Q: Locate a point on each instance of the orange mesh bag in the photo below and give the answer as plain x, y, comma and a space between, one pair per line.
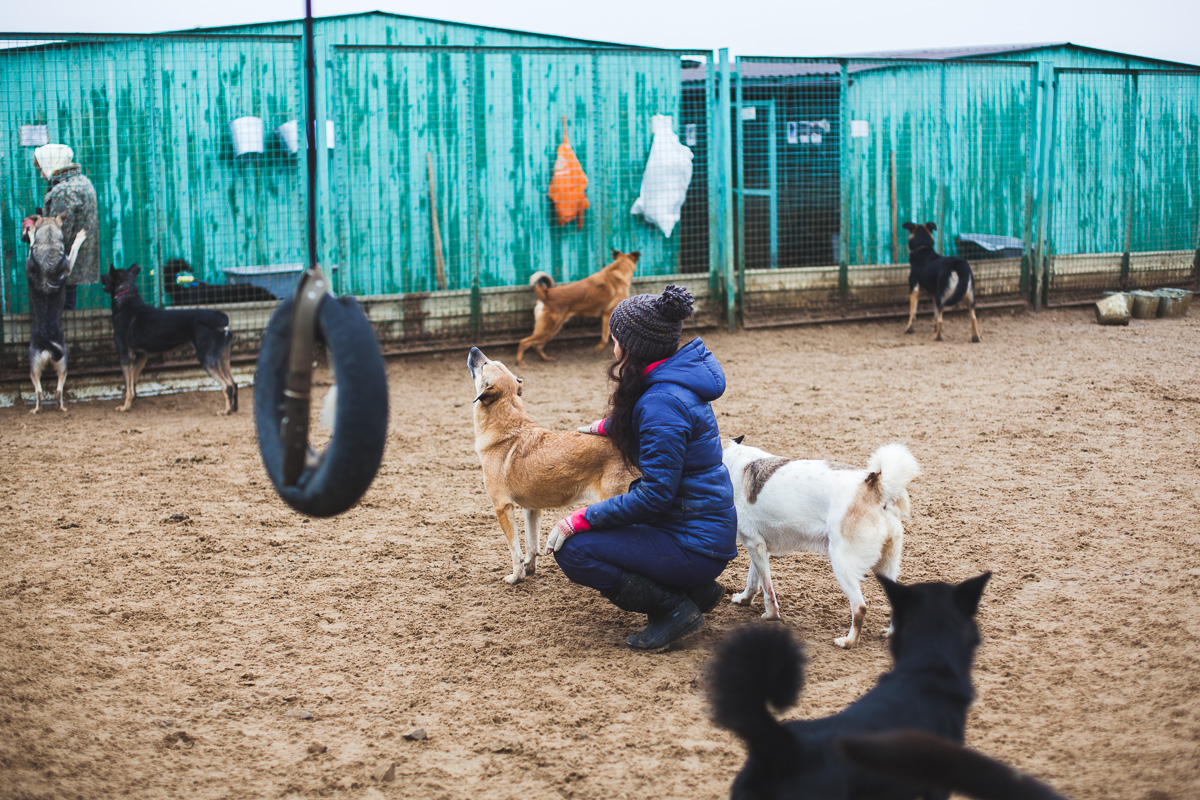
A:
568, 187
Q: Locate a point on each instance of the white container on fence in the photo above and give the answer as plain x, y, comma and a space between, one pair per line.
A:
247, 135
289, 134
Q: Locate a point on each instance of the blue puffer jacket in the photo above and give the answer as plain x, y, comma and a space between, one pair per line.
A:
684, 488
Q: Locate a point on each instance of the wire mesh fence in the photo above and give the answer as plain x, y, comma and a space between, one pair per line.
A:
463, 171
834, 156
174, 153
1123, 210
450, 175
437, 190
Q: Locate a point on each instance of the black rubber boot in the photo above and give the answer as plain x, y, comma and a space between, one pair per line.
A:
706, 595
672, 613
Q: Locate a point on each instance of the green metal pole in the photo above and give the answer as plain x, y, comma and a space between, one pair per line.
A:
1131, 146
723, 111
943, 167
1047, 232
844, 182
1027, 211
713, 165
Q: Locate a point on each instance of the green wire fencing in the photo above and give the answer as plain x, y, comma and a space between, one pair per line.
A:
833, 156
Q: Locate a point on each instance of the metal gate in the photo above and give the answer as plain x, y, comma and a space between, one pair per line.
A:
834, 155
1123, 210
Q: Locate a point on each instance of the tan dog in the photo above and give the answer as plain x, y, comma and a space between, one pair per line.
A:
531, 467
594, 296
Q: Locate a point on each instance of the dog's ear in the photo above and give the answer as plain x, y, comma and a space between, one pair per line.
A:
635, 255
931, 226
520, 386
134, 270
487, 394
897, 594
968, 593
616, 254
908, 226
738, 439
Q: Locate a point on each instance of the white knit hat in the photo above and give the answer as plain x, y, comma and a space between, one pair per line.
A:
50, 158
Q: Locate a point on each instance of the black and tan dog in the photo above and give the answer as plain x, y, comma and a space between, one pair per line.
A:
947, 279
140, 330
928, 689
529, 467
46, 271
594, 296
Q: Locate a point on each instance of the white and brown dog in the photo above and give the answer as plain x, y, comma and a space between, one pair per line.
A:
47, 269
852, 514
528, 466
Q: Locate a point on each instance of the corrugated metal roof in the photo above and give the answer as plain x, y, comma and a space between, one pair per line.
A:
951, 53
254, 25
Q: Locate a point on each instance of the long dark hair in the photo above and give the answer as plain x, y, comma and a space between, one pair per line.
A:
629, 373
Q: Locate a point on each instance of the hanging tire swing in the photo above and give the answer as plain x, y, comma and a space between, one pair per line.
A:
328, 483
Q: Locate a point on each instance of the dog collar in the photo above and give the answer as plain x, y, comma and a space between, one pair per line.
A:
122, 292
918, 248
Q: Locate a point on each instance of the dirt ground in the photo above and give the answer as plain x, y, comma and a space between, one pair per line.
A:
163, 616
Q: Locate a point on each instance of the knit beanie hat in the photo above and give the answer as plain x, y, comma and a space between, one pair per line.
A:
648, 326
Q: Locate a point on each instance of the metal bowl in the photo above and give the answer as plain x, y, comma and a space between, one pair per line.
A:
1145, 304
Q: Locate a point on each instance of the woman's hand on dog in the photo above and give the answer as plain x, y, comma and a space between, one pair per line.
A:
566, 528
597, 428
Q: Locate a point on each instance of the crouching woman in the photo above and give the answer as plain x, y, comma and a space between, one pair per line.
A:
658, 549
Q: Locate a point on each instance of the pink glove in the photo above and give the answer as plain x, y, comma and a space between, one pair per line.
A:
597, 428
565, 529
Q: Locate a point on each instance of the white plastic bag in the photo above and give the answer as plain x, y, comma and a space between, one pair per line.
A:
667, 176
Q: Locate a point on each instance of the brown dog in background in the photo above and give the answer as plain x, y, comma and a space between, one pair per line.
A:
594, 296
529, 466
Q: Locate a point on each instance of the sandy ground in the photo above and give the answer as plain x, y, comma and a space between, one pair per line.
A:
163, 616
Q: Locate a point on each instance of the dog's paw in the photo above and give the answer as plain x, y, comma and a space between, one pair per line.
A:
122, 408
514, 578
845, 642
742, 599
770, 616
908, 330
530, 567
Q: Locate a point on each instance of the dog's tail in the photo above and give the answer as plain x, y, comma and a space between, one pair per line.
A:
754, 667
962, 270
541, 283
927, 760
896, 467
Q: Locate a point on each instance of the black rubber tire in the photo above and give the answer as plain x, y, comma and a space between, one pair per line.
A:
352, 459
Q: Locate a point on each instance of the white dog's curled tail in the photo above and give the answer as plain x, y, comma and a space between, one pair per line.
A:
896, 467
541, 278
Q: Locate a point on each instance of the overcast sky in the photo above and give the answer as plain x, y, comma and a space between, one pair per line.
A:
1166, 29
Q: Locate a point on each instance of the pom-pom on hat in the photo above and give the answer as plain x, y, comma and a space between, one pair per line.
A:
648, 326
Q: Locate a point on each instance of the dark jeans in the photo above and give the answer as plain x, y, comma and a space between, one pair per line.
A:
597, 558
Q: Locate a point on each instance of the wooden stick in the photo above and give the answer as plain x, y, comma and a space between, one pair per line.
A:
439, 261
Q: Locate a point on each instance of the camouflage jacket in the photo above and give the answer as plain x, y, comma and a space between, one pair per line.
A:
71, 193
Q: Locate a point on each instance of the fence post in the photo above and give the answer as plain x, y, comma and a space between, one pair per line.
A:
1131, 143
1027, 280
324, 205
943, 164
1045, 240
844, 182
724, 109
473, 93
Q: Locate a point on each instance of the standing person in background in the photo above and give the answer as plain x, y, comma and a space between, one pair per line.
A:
657, 549
70, 193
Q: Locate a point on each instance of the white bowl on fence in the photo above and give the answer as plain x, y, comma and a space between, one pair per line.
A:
247, 135
289, 134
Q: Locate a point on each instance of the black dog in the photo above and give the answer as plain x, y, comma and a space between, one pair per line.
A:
929, 689
140, 330
925, 759
46, 272
947, 278
199, 293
